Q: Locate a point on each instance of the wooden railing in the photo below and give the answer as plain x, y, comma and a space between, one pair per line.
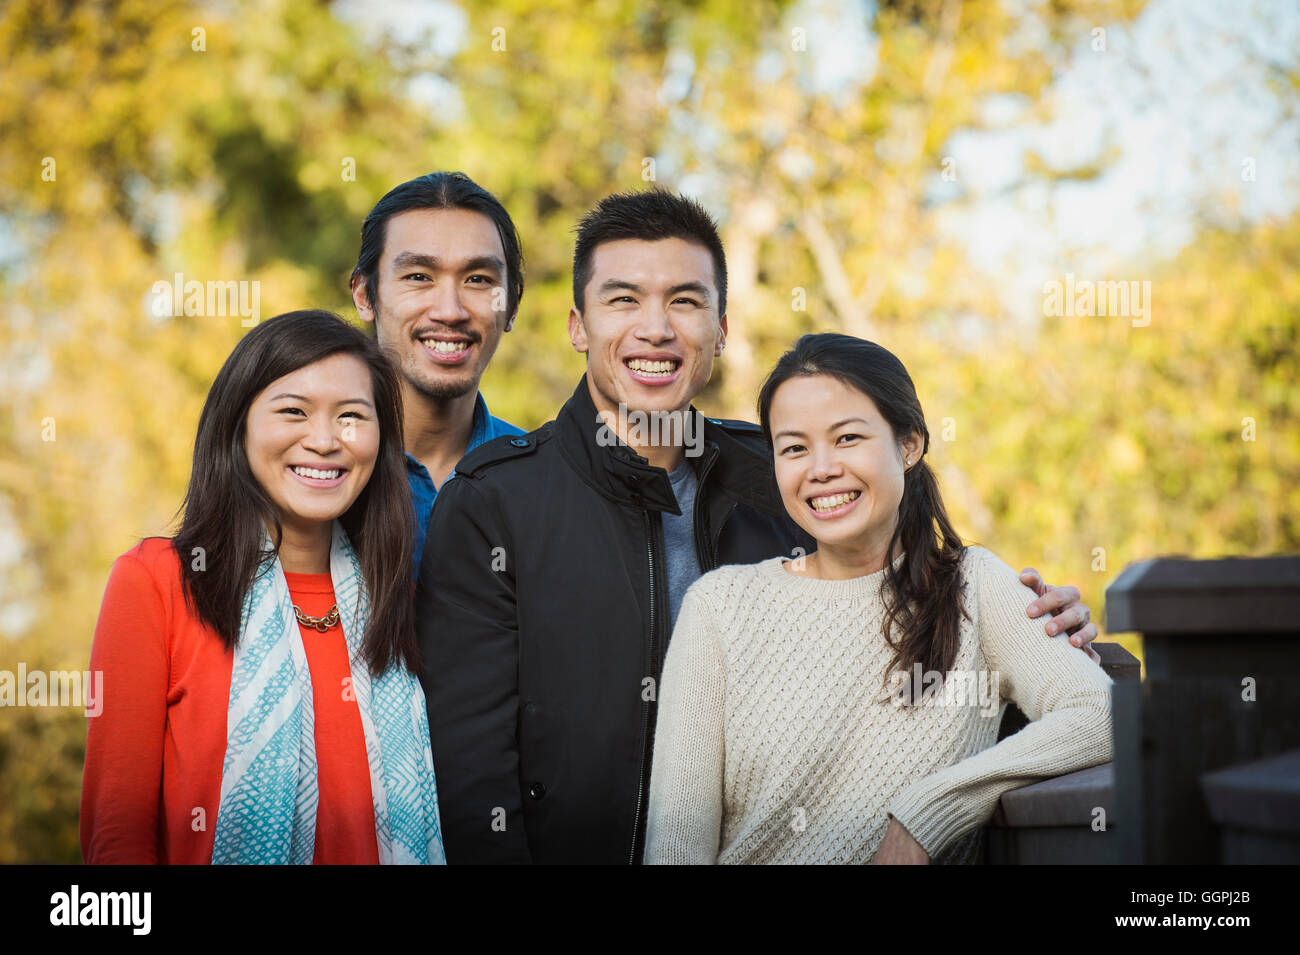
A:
1207, 746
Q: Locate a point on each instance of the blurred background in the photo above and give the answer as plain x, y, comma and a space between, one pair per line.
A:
922, 174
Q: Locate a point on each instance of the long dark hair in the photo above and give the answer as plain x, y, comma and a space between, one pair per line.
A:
227, 510
923, 606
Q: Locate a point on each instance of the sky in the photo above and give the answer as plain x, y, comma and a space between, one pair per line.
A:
1185, 97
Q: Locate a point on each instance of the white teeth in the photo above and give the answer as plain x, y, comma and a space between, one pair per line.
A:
832, 501
316, 473
445, 348
664, 368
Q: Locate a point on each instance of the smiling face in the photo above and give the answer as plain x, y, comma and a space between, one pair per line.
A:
650, 326
312, 439
442, 298
838, 464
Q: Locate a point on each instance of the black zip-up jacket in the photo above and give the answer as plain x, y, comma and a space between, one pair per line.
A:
542, 613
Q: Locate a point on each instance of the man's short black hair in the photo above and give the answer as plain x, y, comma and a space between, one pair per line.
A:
649, 216
439, 190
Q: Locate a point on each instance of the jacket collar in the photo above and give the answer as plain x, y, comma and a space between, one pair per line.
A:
621, 474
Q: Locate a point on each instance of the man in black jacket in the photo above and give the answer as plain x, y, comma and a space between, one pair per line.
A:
556, 560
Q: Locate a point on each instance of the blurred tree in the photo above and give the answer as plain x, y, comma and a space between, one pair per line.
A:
139, 141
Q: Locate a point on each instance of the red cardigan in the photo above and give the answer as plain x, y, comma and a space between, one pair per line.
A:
154, 754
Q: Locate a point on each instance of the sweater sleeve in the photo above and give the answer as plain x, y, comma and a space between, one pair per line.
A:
684, 825
122, 782
1064, 694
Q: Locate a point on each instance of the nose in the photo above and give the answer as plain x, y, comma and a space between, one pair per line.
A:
825, 464
322, 435
654, 324
445, 305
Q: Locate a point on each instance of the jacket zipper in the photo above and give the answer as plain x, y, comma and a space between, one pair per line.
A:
707, 561
704, 550
645, 722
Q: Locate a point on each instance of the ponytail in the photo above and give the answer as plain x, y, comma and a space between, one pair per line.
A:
923, 606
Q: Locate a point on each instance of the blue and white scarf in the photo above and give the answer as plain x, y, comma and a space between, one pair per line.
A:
269, 795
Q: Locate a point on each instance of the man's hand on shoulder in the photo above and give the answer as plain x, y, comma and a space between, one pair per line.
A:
1068, 613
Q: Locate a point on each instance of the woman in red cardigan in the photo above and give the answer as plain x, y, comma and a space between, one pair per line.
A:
259, 697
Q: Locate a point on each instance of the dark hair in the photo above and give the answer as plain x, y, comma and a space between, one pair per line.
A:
923, 595
650, 216
227, 511
439, 190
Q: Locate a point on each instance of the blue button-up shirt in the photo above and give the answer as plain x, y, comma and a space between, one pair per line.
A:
423, 492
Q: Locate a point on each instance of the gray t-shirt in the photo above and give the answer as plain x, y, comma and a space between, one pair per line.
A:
679, 537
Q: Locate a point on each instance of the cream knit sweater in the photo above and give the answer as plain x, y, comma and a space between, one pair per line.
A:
776, 743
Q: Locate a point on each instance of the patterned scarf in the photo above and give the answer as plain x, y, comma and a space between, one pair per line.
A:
267, 813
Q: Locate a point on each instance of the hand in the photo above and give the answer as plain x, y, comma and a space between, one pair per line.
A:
1071, 615
899, 848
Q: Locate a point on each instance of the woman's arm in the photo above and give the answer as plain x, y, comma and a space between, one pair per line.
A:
1063, 693
685, 815
122, 785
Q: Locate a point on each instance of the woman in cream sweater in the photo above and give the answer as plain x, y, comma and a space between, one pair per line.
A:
844, 706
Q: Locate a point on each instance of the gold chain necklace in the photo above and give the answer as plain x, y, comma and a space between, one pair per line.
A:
320, 624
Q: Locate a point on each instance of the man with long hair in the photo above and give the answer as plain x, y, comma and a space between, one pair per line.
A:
440, 274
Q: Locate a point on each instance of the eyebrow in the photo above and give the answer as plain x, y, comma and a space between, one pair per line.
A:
835, 427
839, 424
307, 401
614, 285
406, 260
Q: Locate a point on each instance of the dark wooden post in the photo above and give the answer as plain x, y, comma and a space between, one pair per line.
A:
1257, 809
1221, 642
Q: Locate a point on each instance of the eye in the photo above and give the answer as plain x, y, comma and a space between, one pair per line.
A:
689, 301
792, 448
851, 437
291, 411
414, 275
622, 298
354, 414
482, 279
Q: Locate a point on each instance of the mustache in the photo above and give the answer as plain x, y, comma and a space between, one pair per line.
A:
474, 338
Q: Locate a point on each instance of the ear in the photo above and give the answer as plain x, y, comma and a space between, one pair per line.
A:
722, 336
510, 322
577, 331
911, 447
361, 300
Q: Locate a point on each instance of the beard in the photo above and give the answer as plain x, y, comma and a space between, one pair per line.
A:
416, 374
441, 389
